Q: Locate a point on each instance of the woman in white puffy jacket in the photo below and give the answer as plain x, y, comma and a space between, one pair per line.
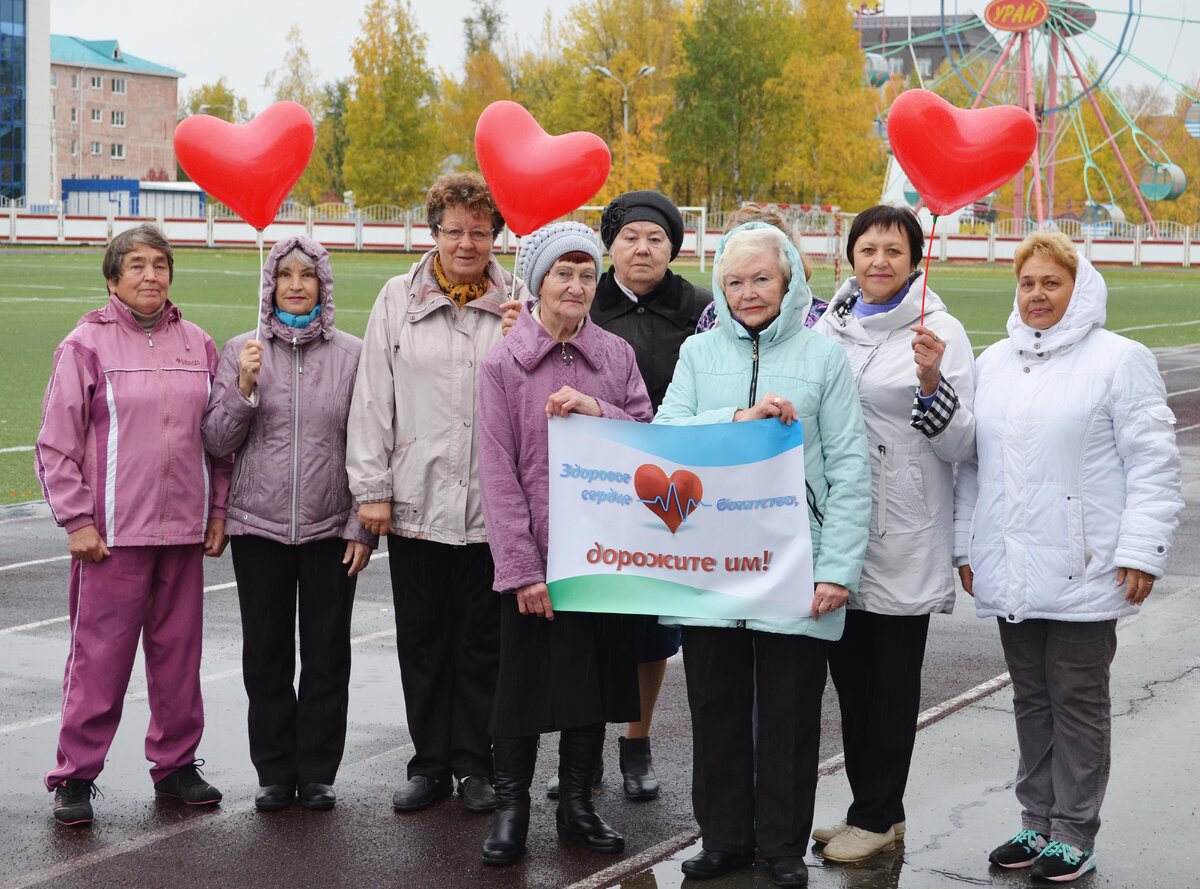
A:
1062, 526
916, 384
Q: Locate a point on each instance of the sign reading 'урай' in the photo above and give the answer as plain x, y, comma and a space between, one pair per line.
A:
1016, 15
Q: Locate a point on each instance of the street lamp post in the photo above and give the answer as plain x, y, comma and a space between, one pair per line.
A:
644, 71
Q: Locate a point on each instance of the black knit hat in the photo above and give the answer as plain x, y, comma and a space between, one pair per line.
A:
642, 206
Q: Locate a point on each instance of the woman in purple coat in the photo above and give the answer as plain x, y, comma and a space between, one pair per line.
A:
567, 672
280, 406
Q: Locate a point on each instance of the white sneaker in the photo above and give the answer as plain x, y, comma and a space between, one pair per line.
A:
855, 844
827, 833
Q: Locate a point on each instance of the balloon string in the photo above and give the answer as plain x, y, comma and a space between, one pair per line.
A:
258, 296
516, 255
925, 279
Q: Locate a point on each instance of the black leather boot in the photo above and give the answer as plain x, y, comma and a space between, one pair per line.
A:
597, 775
577, 819
514, 759
638, 769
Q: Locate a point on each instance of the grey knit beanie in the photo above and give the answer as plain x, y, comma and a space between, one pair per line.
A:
539, 250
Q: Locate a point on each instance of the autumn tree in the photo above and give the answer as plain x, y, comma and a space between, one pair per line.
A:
823, 125
631, 40
296, 81
327, 182
718, 131
483, 82
393, 148
216, 99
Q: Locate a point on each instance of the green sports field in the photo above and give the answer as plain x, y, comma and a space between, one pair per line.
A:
44, 291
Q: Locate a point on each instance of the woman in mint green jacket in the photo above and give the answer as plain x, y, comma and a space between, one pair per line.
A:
761, 362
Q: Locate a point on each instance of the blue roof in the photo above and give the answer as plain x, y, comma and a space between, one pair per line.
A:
105, 54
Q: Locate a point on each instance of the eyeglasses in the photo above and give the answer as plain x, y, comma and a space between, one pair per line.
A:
478, 235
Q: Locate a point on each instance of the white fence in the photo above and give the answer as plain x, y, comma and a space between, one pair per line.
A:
397, 229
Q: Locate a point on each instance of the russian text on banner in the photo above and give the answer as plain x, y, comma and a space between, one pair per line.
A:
686, 521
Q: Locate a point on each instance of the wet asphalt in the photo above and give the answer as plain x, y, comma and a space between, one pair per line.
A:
959, 803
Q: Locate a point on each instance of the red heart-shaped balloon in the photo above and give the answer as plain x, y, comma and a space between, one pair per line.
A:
951, 156
535, 177
671, 499
249, 167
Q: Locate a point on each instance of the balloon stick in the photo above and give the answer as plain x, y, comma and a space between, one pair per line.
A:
258, 296
925, 279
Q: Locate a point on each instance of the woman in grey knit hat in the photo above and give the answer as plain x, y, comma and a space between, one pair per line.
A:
569, 672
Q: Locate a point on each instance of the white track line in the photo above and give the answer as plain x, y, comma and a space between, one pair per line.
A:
15, 565
1183, 392
17, 450
204, 680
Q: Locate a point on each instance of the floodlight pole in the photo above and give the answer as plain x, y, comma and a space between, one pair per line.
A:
644, 71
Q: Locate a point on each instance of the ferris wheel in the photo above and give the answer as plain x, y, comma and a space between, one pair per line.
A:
1061, 61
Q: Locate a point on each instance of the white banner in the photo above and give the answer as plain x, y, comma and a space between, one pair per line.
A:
683, 521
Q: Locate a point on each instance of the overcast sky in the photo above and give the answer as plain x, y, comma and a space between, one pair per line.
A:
244, 39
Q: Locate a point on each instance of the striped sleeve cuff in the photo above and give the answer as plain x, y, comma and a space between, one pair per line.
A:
931, 420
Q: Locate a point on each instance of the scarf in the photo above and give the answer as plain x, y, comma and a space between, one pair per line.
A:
298, 321
460, 293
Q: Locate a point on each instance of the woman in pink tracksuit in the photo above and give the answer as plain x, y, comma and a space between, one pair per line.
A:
280, 404
124, 471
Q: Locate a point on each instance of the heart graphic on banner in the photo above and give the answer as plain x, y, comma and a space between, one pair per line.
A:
952, 156
249, 167
535, 177
671, 499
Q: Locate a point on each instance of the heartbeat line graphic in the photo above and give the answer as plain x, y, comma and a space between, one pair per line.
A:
672, 497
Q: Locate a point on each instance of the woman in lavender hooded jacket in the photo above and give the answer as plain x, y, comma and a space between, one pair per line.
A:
280, 406
569, 672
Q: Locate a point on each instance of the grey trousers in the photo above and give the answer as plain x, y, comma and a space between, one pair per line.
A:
1060, 677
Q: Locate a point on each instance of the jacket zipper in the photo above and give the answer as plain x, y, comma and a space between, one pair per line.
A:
753, 373
295, 433
741, 624
883, 492
166, 402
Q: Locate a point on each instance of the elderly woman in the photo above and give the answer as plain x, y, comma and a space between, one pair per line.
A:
915, 437
282, 415
566, 672
1062, 527
139, 509
757, 788
412, 458
771, 216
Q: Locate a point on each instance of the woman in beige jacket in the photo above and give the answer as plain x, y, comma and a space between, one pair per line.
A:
412, 461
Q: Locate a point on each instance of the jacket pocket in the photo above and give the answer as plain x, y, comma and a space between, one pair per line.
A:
408, 476
1077, 546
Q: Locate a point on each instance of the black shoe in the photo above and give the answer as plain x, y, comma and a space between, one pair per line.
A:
419, 792
274, 797
1021, 851
477, 794
576, 819
187, 785
637, 767
73, 802
789, 871
514, 759
712, 863
317, 796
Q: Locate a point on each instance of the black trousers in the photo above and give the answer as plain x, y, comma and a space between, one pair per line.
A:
876, 669
295, 738
448, 643
736, 808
